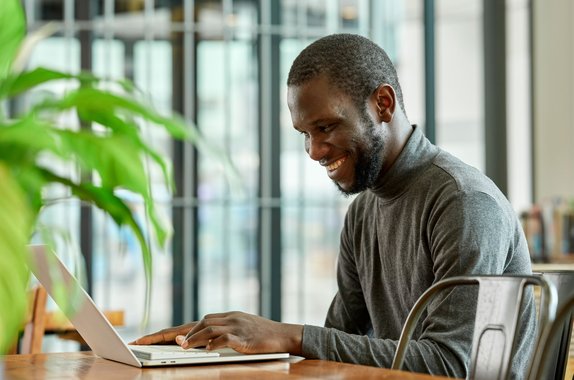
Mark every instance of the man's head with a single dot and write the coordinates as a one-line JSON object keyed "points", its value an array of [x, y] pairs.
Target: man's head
{"points": [[353, 64], [342, 95]]}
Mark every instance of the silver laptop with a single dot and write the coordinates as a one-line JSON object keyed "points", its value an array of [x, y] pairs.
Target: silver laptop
{"points": [[103, 339]]}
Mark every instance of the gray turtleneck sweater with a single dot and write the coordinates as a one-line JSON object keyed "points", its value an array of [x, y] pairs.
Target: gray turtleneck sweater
{"points": [[429, 217]]}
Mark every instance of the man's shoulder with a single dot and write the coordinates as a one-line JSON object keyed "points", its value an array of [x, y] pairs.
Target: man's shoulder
{"points": [[465, 177], [472, 192]]}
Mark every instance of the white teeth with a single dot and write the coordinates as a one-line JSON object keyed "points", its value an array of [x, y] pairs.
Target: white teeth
{"points": [[336, 164]]}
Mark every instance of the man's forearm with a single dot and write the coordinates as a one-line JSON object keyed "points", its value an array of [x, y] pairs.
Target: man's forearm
{"points": [[425, 356]]}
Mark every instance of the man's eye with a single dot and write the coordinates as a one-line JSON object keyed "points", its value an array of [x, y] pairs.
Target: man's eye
{"points": [[303, 133], [327, 128]]}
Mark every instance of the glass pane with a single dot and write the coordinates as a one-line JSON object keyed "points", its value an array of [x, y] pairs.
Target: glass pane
{"points": [[409, 60], [459, 79], [519, 102], [57, 53], [108, 59], [228, 118]]}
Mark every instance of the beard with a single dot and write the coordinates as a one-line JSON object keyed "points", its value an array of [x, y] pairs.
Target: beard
{"points": [[369, 160]]}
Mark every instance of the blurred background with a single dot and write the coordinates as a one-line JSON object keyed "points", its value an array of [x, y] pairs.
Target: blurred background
{"points": [[490, 81]]}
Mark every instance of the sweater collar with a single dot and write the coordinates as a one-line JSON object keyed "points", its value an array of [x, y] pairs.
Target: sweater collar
{"points": [[417, 154]]}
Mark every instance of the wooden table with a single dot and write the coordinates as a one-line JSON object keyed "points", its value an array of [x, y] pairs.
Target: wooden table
{"points": [[85, 365]]}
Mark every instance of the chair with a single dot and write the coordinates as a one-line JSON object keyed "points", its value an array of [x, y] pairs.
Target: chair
{"points": [[555, 346], [497, 312], [33, 335]]}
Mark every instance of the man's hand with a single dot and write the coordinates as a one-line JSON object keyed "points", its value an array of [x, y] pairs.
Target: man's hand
{"points": [[165, 336], [245, 333]]}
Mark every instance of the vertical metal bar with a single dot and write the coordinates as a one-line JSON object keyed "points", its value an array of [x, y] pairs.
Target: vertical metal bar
{"points": [[84, 13], [227, 37], [105, 297], [531, 31], [269, 145], [275, 174], [430, 84], [494, 32], [264, 227], [191, 248], [185, 292]]}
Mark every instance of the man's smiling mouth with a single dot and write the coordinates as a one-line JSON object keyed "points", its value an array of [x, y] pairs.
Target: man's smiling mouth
{"points": [[336, 164]]}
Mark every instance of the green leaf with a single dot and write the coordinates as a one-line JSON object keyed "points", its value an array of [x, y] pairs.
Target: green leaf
{"points": [[118, 125], [161, 233], [118, 161], [33, 182], [17, 84], [12, 30], [27, 136], [20, 146], [89, 98], [116, 158], [15, 226]]}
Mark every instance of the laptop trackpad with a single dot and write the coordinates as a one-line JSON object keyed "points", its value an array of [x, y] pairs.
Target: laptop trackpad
{"points": [[157, 352]]}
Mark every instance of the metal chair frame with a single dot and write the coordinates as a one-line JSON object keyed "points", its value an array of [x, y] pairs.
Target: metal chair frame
{"points": [[503, 294], [563, 280], [544, 361]]}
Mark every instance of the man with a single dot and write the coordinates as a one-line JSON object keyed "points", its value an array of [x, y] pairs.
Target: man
{"points": [[421, 216]]}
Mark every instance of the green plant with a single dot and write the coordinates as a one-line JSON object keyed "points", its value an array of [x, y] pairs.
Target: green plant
{"points": [[114, 154]]}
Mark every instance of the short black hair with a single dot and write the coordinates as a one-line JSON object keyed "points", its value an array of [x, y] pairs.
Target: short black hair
{"points": [[353, 64]]}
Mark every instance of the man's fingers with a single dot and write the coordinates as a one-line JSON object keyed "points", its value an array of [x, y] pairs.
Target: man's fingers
{"points": [[155, 338], [218, 315], [179, 339], [164, 336], [203, 336], [225, 340], [206, 323], [144, 340]]}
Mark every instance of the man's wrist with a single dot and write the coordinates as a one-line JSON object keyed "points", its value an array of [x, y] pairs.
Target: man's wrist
{"points": [[293, 338]]}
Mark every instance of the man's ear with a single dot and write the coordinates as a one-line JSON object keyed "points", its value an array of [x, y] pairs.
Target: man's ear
{"points": [[385, 102]]}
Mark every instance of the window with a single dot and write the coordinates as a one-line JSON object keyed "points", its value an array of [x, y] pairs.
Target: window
{"points": [[263, 237]]}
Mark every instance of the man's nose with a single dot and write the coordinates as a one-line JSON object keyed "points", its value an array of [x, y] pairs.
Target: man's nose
{"points": [[316, 148]]}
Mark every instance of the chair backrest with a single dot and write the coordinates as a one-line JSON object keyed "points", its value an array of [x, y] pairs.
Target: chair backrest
{"points": [[556, 345], [497, 314], [34, 327]]}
